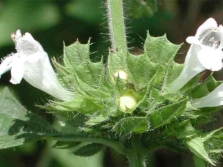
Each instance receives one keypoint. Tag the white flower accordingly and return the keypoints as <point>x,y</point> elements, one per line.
<point>213,99</point>
<point>205,53</point>
<point>32,63</point>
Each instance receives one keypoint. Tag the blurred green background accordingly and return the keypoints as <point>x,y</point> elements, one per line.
<point>54,22</point>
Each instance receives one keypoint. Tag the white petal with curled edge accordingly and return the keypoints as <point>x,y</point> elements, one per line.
<point>17,71</point>
<point>26,44</point>
<point>193,40</point>
<point>28,38</point>
<point>211,59</point>
<point>207,25</point>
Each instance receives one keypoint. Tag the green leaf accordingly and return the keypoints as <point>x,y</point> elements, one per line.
<point>205,144</point>
<point>17,125</point>
<point>152,101</point>
<point>94,120</point>
<point>166,114</point>
<point>86,77</point>
<point>213,143</point>
<point>204,88</point>
<point>188,87</point>
<point>80,104</point>
<point>196,145</point>
<point>142,70</point>
<point>172,72</point>
<point>89,149</point>
<point>160,75</point>
<point>117,63</point>
<point>132,125</point>
<point>76,54</point>
<point>211,134</point>
<point>90,80</point>
<point>160,50</point>
<point>91,73</point>
<point>182,130</point>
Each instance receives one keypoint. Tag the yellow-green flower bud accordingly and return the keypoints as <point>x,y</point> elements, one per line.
<point>121,74</point>
<point>127,103</point>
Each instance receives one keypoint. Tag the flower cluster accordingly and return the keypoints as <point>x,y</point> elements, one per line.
<point>130,95</point>
<point>32,63</point>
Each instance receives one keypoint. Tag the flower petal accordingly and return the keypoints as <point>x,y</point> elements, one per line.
<point>7,63</point>
<point>32,63</point>
<point>40,74</point>
<point>211,59</point>
<point>17,71</point>
<point>220,29</point>
<point>193,40</point>
<point>207,25</point>
<point>191,60</point>
<point>15,36</point>
<point>213,99</point>
<point>192,67</point>
<point>26,44</point>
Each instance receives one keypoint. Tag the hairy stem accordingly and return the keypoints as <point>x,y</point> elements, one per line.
<point>116,25</point>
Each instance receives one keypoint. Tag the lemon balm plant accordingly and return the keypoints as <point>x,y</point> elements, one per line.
<point>132,104</point>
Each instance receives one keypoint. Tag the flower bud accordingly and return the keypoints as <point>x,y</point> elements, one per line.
<point>127,103</point>
<point>121,74</point>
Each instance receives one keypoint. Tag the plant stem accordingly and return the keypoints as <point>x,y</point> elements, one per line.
<point>137,159</point>
<point>117,146</point>
<point>116,25</point>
